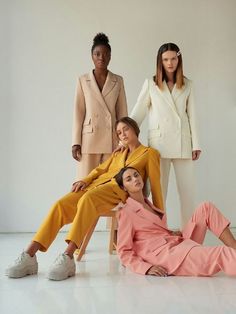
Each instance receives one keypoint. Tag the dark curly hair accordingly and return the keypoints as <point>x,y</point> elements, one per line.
<point>101,39</point>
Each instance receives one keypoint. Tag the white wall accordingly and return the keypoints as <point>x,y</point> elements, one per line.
<point>46,44</point>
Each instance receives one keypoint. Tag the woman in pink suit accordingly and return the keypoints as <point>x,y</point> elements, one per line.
<point>147,246</point>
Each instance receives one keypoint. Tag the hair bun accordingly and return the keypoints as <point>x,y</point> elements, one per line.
<point>101,39</point>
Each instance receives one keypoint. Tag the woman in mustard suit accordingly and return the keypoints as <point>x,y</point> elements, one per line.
<point>99,101</point>
<point>147,246</point>
<point>93,195</point>
<point>168,102</point>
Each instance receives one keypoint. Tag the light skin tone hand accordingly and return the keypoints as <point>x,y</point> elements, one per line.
<point>157,271</point>
<point>119,148</point>
<point>196,154</point>
<point>77,186</point>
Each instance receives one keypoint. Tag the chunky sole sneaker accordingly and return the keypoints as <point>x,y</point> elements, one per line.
<point>23,266</point>
<point>62,268</point>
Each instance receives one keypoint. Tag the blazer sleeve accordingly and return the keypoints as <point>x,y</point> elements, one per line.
<point>99,170</point>
<point>192,119</point>
<point>140,110</point>
<point>121,104</point>
<point>125,245</point>
<point>153,172</point>
<point>79,114</point>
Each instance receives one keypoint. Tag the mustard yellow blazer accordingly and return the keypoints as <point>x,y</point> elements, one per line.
<point>145,159</point>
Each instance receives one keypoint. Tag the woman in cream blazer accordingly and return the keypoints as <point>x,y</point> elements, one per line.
<point>145,244</point>
<point>168,101</point>
<point>99,101</point>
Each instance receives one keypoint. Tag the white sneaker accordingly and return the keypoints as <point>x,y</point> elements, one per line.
<point>62,268</point>
<point>24,265</point>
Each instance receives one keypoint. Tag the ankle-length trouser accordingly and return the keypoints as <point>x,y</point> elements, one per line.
<point>81,209</point>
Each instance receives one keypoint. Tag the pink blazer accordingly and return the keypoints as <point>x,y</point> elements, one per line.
<point>144,239</point>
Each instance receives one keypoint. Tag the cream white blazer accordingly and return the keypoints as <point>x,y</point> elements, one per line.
<point>172,128</point>
<point>95,113</point>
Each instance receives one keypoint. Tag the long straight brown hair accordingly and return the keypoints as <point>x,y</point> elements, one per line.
<point>160,71</point>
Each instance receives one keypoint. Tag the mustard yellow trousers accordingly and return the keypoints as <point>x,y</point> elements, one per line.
<point>81,209</point>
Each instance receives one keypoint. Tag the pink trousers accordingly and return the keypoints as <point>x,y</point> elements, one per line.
<point>207,261</point>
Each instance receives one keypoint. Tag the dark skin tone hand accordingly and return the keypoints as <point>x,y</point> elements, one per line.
<point>76,152</point>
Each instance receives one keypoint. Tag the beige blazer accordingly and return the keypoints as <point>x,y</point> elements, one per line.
<point>95,113</point>
<point>172,128</point>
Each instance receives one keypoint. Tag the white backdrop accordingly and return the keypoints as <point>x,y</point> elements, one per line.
<point>46,44</point>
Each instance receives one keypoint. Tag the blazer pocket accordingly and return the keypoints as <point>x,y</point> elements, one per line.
<point>87,126</point>
<point>153,133</point>
<point>159,246</point>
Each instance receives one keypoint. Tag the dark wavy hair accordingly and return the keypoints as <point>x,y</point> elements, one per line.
<point>101,40</point>
<point>160,72</point>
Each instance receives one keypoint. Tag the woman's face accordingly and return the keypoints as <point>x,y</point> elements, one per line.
<point>132,181</point>
<point>170,61</point>
<point>101,56</point>
<point>125,133</point>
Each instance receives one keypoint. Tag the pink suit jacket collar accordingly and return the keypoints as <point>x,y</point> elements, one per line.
<point>138,208</point>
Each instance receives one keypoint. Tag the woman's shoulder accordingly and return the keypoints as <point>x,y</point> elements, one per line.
<point>187,82</point>
<point>125,212</point>
<point>117,77</point>
<point>84,76</point>
<point>149,82</point>
<point>152,151</point>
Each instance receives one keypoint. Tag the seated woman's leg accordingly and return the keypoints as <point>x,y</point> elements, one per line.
<point>91,205</point>
<point>207,261</point>
<point>61,213</point>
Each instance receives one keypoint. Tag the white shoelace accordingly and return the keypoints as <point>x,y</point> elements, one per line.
<point>20,258</point>
<point>60,259</point>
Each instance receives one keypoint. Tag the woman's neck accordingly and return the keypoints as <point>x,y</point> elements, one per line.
<point>100,72</point>
<point>138,196</point>
<point>170,77</point>
<point>133,146</point>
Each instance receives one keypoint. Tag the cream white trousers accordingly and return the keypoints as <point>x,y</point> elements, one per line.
<point>185,181</point>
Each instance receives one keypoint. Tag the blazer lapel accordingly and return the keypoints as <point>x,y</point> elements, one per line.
<point>145,214</point>
<point>96,91</point>
<point>110,83</point>
<point>176,92</point>
<point>136,154</point>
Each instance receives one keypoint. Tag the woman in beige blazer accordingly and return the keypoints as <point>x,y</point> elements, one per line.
<point>167,99</point>
<point>99,101</point>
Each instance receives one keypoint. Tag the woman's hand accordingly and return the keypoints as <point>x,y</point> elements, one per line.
<point>176,233</point>
<point>157,271</point>
<point>76,152</point>
<point>196,154</point>
<point>80,185</point>
<point>119,148</point>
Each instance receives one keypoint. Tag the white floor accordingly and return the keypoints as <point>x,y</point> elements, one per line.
<point>101,285</point>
